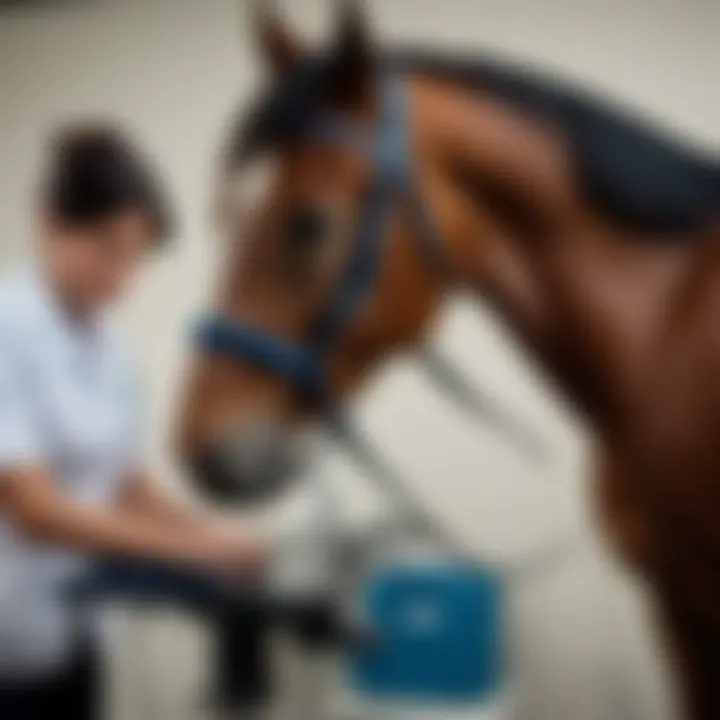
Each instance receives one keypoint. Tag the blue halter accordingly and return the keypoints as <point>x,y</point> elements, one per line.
<point>306,365</point>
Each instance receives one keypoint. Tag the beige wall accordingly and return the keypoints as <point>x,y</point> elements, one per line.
<point>172,70</point>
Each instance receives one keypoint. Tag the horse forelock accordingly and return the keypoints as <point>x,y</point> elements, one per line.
<point>281,113</point>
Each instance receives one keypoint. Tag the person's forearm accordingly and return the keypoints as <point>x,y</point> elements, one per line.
<point>144,497</point>
<point>107,531</point>
<point>31,500</point>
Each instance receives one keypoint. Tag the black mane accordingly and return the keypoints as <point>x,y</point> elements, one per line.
<point>633,172</point>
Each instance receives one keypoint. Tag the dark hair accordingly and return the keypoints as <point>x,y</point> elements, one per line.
<point>96,172</point>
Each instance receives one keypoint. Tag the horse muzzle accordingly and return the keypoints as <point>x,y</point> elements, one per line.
<point>249,465</point>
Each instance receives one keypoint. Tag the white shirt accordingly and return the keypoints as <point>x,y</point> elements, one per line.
<point>67,403</point>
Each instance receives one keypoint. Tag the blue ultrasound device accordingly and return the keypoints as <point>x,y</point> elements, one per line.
<point>437,634</point>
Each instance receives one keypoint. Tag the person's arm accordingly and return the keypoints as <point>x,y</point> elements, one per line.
<point>38,507</point>
<point>141,495</point>
<point>31,500</point>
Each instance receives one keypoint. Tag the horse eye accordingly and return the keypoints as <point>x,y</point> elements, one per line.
<point>305,227</point>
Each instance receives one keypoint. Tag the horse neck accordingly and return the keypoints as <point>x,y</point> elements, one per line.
<point>586,298</point>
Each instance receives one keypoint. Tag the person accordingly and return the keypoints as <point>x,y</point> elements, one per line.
<point>72,484</point>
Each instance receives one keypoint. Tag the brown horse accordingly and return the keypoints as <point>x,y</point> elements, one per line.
<point>595,239</point>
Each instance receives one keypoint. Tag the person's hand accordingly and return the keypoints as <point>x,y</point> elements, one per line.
<point>240,559</point>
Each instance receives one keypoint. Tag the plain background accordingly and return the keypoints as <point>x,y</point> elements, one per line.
<point>174,71</point>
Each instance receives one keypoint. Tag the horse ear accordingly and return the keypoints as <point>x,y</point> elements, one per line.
<point>276,42</point>
<point>354,50</point>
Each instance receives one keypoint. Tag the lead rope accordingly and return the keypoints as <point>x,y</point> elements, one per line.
<point>424,522</point>
<point>466,396</point>
<point>417,516</point>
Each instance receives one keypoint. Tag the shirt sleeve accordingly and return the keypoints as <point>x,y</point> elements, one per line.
<point>135,421</point>
<point>19,437</point>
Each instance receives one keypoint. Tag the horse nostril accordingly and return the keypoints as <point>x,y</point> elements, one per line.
<point>213,475</point>
<point>243,471</point>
